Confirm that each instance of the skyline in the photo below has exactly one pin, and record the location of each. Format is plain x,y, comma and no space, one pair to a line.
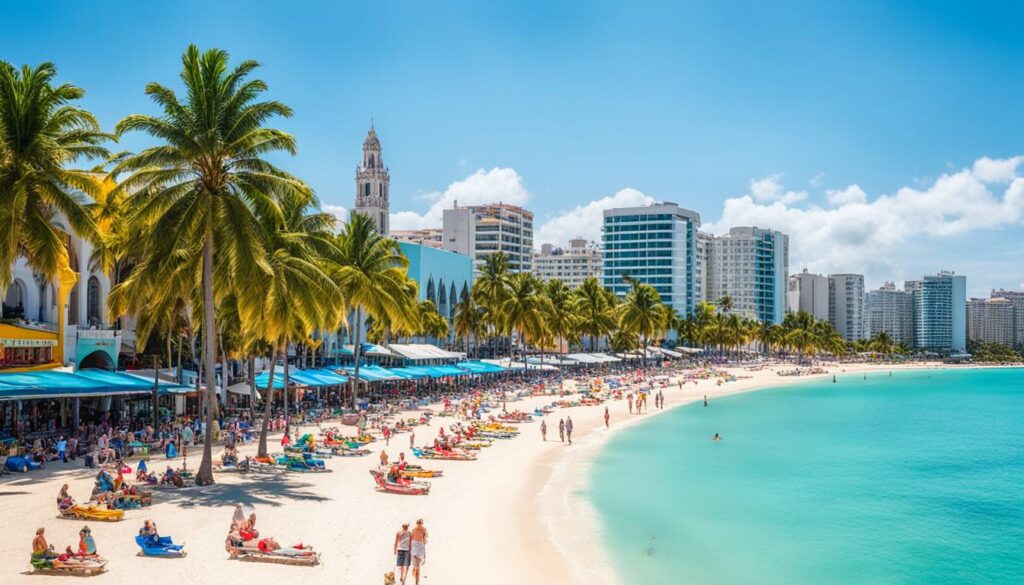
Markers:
749,117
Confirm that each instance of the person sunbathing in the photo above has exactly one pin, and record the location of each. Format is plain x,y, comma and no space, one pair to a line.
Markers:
41,550
230,456
271,546
149,531
64,499
86,544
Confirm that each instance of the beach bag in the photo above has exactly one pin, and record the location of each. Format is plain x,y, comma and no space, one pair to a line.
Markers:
389,578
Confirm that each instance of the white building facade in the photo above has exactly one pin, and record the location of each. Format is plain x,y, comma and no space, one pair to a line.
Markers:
373,182
940,313
751,266
992,321
481,230
891,311
808,293
846,305
572,265
1016,299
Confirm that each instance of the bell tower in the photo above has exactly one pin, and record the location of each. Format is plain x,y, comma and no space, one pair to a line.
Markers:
372,184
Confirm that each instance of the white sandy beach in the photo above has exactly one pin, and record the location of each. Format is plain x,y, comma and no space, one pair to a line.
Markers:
516,515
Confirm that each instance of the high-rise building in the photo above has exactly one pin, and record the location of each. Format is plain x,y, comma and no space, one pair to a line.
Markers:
572,265
702,267
750,265
809,293
891,311
940,313
481,230
372,184
1016,299
433,237
991,320
846,305
654,244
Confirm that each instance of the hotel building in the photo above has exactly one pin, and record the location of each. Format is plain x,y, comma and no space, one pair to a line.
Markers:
1016,299
991,320
572,265
846,305
654,244
940,313
433,237
750,265
891,311
481,230
808,293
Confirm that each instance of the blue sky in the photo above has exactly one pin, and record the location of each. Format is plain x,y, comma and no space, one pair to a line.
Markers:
739,110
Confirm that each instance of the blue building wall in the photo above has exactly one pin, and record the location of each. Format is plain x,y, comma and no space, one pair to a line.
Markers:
442,275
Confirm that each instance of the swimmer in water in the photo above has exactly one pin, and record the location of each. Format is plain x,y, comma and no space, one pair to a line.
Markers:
833,378
716,438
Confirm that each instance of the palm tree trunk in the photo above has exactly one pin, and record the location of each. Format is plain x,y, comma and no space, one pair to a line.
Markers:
252,386
268,399
181,344
204,476
287,419
356,350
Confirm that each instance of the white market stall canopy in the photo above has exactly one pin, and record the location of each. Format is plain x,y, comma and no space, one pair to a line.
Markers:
423,351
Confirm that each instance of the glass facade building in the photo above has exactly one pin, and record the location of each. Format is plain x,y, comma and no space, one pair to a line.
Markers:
656,245
940,313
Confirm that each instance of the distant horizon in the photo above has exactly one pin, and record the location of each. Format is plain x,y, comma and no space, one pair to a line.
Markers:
884,139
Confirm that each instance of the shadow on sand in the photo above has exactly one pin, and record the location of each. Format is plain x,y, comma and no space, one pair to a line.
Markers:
273,490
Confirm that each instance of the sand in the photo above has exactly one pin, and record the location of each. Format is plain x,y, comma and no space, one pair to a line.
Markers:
517,515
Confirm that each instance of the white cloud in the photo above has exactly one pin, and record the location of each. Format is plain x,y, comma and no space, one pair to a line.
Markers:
862,235
496,185
848,196
998,170
339,212
770,189
585,220
815,181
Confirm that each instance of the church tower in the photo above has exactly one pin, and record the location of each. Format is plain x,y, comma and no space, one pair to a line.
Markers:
372,182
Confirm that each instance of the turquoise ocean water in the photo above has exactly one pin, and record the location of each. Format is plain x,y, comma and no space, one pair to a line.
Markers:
918,478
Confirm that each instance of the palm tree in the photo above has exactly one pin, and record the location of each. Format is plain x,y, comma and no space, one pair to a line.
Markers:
469,322
561,317
42,134
725,304
595,309
768,335
198,189
372,275
641,313
299,296
524,308
491,288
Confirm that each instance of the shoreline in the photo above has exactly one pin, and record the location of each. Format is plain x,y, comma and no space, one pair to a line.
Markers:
560,512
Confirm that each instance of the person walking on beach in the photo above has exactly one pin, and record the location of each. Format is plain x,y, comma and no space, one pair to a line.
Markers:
402,551
412,440
419,549
705,400
606,417
561,430
544,430
568,428
629,399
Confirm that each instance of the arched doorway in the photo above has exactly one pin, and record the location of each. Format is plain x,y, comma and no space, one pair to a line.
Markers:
98,359
14,301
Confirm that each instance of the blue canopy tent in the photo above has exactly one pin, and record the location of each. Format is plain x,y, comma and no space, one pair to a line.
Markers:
443,370
477,367
263,377
84,383
370,373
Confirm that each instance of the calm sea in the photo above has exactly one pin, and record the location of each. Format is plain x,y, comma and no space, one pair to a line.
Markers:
914,478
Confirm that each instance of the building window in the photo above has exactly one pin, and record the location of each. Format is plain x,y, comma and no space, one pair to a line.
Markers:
93,301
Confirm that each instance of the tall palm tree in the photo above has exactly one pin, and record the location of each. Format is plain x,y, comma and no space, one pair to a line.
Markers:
299,296
469,322
199,187
372,275
726,304
641,313
491,288
595,307
525,307
561,317
42,134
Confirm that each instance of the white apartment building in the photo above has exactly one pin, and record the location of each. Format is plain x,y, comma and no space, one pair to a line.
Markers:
572,265
750,265
1016,299
481,230
940,313
433,237
991,320
891,311
809,293
846,305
